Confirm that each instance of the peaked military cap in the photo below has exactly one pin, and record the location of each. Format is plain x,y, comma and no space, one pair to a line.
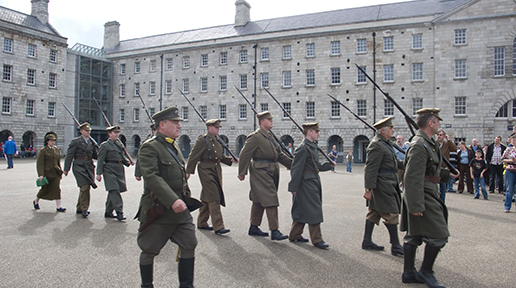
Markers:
113,129
85,126
171,113
213,122
264,115
51,136
312,125
431,111
385,122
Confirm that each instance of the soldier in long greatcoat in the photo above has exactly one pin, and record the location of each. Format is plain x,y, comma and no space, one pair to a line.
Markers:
424,214
81,152
206,155
260,155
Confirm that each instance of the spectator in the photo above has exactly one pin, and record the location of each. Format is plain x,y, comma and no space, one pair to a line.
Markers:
509,159
455,163
474,146
9,150
478,169
333,156
400,141
446,145
494,160
350,159
465,155
22,150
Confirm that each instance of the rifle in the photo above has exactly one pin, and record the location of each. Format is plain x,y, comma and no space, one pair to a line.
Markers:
79,124
273,135
295,123
118,140
204,120
144,108
410,122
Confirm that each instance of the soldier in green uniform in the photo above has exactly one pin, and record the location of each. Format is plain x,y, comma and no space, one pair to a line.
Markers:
207,154
81,152
424,215
305,186
109,163
260,155
137,171
162,167
382,187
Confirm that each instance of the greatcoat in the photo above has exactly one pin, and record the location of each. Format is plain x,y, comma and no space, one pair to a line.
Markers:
109,163
82,155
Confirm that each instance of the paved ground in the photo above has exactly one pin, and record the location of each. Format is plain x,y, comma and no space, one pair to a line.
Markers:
48,249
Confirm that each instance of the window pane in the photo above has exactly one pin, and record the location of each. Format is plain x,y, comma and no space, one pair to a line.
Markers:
361,107
335,75
335,109
335,47
288,109
287,52
310,50
361,45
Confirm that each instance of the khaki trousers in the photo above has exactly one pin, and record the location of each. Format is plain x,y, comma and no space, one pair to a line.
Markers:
83,203
210,209
314,229
388,218
257,215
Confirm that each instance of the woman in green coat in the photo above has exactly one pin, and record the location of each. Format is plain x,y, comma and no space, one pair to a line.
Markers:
48,165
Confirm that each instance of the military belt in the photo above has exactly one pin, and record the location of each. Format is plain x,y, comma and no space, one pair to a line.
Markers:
86,158
316,172
116,161
433,179
264,160
387,171
210,161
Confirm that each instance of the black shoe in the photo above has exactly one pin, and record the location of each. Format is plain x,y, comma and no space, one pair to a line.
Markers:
321,245
36,205
476,197
109,215
120,216
304,240
209,227
221,231
409,277
397,250
428,279
276,235
80,212
60,209
370,245
255,231
85,214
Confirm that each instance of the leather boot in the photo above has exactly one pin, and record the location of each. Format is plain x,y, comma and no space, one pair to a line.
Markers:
186,272
255,231
426,274
277,235
146,274
409,271
368,244
396,248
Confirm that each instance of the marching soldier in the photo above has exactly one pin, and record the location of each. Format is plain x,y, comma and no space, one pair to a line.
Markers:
137,171
81,152
424,215
109,163
382,187
208,151
260,155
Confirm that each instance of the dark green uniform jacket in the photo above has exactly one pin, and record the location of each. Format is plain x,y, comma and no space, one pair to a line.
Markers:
110,163
423,158
381,175
165,177
305,181
207,153
81,153
48,164
263,149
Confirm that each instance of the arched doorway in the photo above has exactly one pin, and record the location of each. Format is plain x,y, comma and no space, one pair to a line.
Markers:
123,139
225,140
28,138
339,143
136,141
5,134
359,148
240,143
184,145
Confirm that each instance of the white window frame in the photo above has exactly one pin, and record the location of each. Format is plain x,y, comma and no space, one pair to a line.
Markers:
186,62
264,77
264,107
52,80
335,48
168,86
32,50
169,64
264,54
310,77
136,114
417,103
243,81
122,90
137,67
287,52
7,103
122,115
29,107
204,60
287,79
8,45
499,61
51,109
243,56
460,108
223,58
460,37
461,69
31,77
204,111
223,112
136,88
152,87
417,41
388,108
8,73
204,84
122,69
53,55
152,65
388,73
417,71
361,78
186,85
223,83
388,43
361,46
242,111
335,76
184,113
310,50
362,108
335,109
288,108
310,109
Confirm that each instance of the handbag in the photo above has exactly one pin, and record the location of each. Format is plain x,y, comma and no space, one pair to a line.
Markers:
43,181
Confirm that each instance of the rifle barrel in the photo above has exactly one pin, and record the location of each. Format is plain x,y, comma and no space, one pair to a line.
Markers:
79,124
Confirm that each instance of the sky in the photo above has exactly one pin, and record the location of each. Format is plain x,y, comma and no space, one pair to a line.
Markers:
84,24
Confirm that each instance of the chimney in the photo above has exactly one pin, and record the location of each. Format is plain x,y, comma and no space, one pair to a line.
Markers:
40,10
243,13
111,35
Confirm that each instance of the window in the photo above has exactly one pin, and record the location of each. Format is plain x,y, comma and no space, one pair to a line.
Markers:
243,56
169,63
362,107
499,61
264,80
29,108
417,41
122,69
223,83
204,111
460,105
31,76
152,66
361,78
335,109
310,50
152,111
6,105
8,73
136,88
222,112
265,54
388,43
136,114
184,112
264,107
502,112
204,60
243,81
186,85
388,108
460,37
53,55
335,48
242,111
168,87
417,71
223,58
122,115
8,45
460,69
136,67
186,62
287,52
388,73
204,84
310,109
152,88
122,90
32,50
52,80
417,103
288,109
287,79
361,45
310,77
335,75
51,109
